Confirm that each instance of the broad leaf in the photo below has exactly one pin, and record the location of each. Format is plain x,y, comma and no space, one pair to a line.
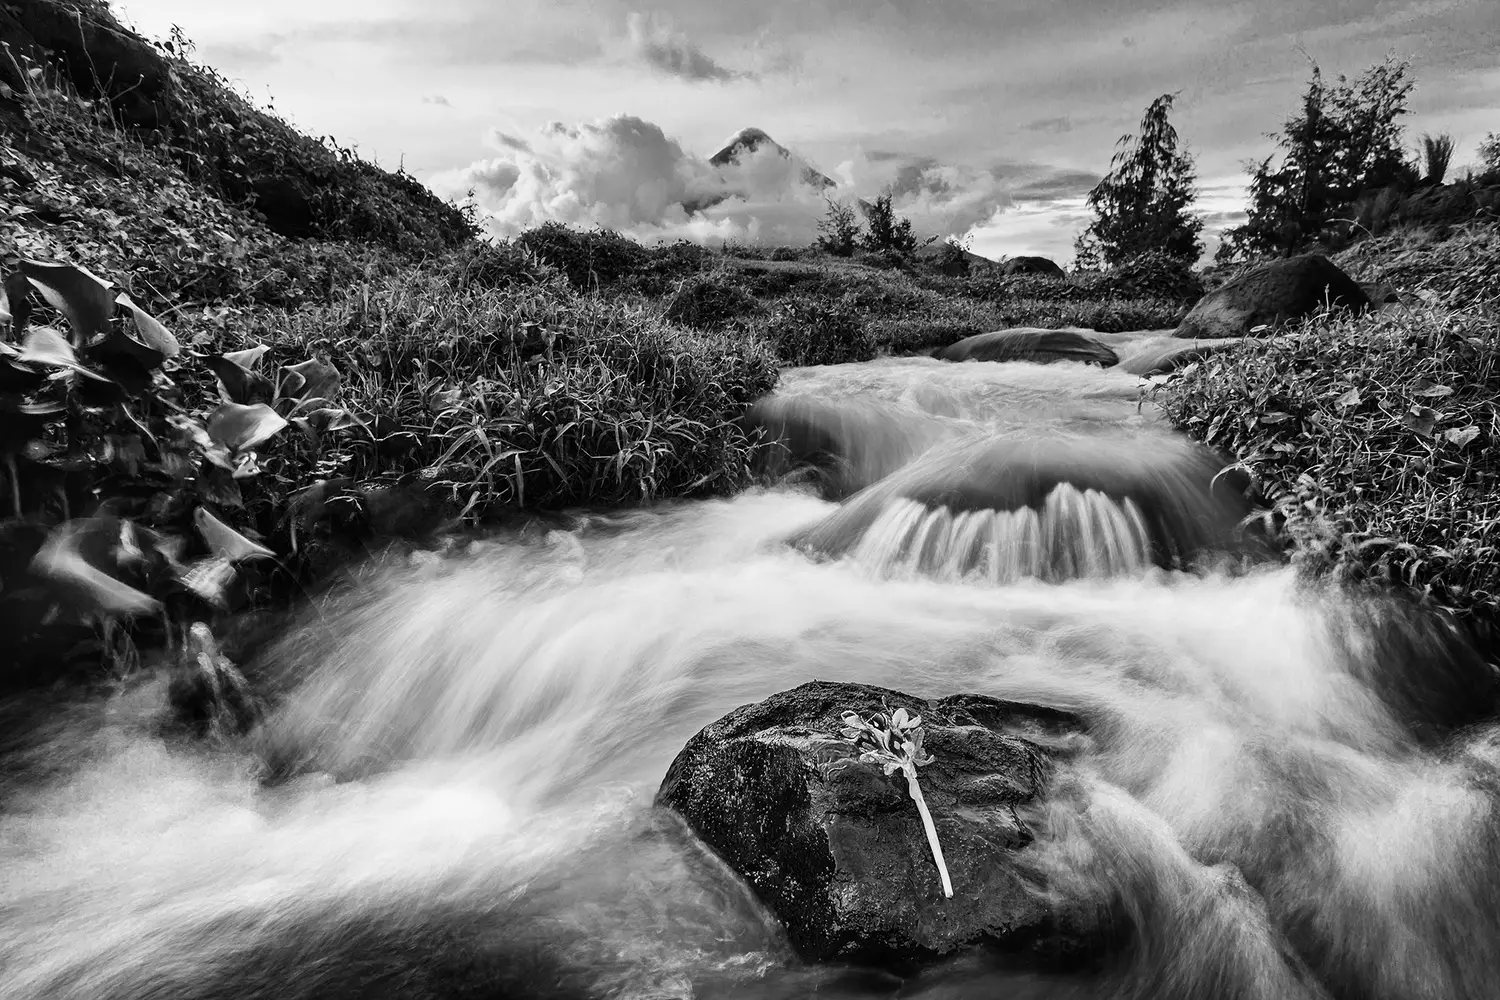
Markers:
242,385
249,358
63,559
1461,436
1427,389
1275,418
16,289
226,543
1348,399
149,330
312,379
86,299
45,346
239,427
1421,419
209,578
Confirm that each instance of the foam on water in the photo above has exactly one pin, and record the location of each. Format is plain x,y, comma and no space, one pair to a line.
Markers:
1269,798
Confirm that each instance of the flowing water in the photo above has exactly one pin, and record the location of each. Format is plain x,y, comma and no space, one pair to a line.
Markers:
452,794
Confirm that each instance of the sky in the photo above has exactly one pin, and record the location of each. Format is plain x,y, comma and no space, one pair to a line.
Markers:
987,119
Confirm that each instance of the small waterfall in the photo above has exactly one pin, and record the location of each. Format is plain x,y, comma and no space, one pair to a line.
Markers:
1077,534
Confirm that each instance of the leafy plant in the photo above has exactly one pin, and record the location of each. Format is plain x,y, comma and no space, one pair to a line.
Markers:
1142,204
888,233
1347,138
810,331
1437,154
1489,153
894,743
838,230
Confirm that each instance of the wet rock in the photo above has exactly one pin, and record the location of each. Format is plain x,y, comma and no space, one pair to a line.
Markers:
1031,265
1162,359
1030,344
1277,292
838,852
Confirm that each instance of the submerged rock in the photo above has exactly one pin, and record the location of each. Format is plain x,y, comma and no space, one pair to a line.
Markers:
1030,344
838,851
1273,293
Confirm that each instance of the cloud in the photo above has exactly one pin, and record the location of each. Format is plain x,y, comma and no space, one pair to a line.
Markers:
626,174
672,52
437,99
1061,123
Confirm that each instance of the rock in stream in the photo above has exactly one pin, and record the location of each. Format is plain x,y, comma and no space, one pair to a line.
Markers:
839,853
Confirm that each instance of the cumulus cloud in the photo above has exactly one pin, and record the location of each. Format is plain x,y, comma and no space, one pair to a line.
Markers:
626,174
671,52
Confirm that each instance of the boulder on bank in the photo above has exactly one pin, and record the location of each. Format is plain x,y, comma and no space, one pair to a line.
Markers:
839,854
1031,265
1162,359
1273,293
1030,344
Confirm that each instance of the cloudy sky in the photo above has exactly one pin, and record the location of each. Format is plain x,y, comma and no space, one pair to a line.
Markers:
988,117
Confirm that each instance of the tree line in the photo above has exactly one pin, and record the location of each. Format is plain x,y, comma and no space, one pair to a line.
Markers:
1344,141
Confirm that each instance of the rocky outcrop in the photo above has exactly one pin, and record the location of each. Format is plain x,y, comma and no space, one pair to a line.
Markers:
1273,293
1030,344
1031,265
837,850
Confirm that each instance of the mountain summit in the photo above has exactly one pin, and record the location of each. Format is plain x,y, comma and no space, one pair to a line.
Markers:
748,140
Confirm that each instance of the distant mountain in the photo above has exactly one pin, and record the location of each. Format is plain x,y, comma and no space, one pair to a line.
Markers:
748,140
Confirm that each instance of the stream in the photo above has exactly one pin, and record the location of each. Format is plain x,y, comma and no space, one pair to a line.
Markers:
465,747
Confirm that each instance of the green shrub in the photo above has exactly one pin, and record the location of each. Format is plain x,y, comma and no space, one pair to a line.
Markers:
1156,274
1374,438
809,331
709,302
588,260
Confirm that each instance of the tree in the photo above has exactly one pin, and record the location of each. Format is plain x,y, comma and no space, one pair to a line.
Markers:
1347,139
888,233
1489,153
838,231
1142,203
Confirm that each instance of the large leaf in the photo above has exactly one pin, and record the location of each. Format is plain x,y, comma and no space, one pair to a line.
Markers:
249,358
209,578
72,558
45,346
238,427
1462,436
22,422
242,385
149,329
85,298
1421,419
310,380
226,543
16,289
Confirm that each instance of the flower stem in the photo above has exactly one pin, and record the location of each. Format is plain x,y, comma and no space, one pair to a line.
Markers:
932,837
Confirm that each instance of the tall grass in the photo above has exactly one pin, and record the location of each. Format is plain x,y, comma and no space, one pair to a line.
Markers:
1374,438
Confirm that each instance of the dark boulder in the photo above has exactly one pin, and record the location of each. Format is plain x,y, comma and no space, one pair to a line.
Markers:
1029,344
839,854
1273,293
1031,265
1160,360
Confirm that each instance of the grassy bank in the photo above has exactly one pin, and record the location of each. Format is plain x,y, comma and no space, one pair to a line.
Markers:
1375,436
343,362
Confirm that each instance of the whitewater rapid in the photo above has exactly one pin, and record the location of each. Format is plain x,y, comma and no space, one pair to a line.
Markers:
451,794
